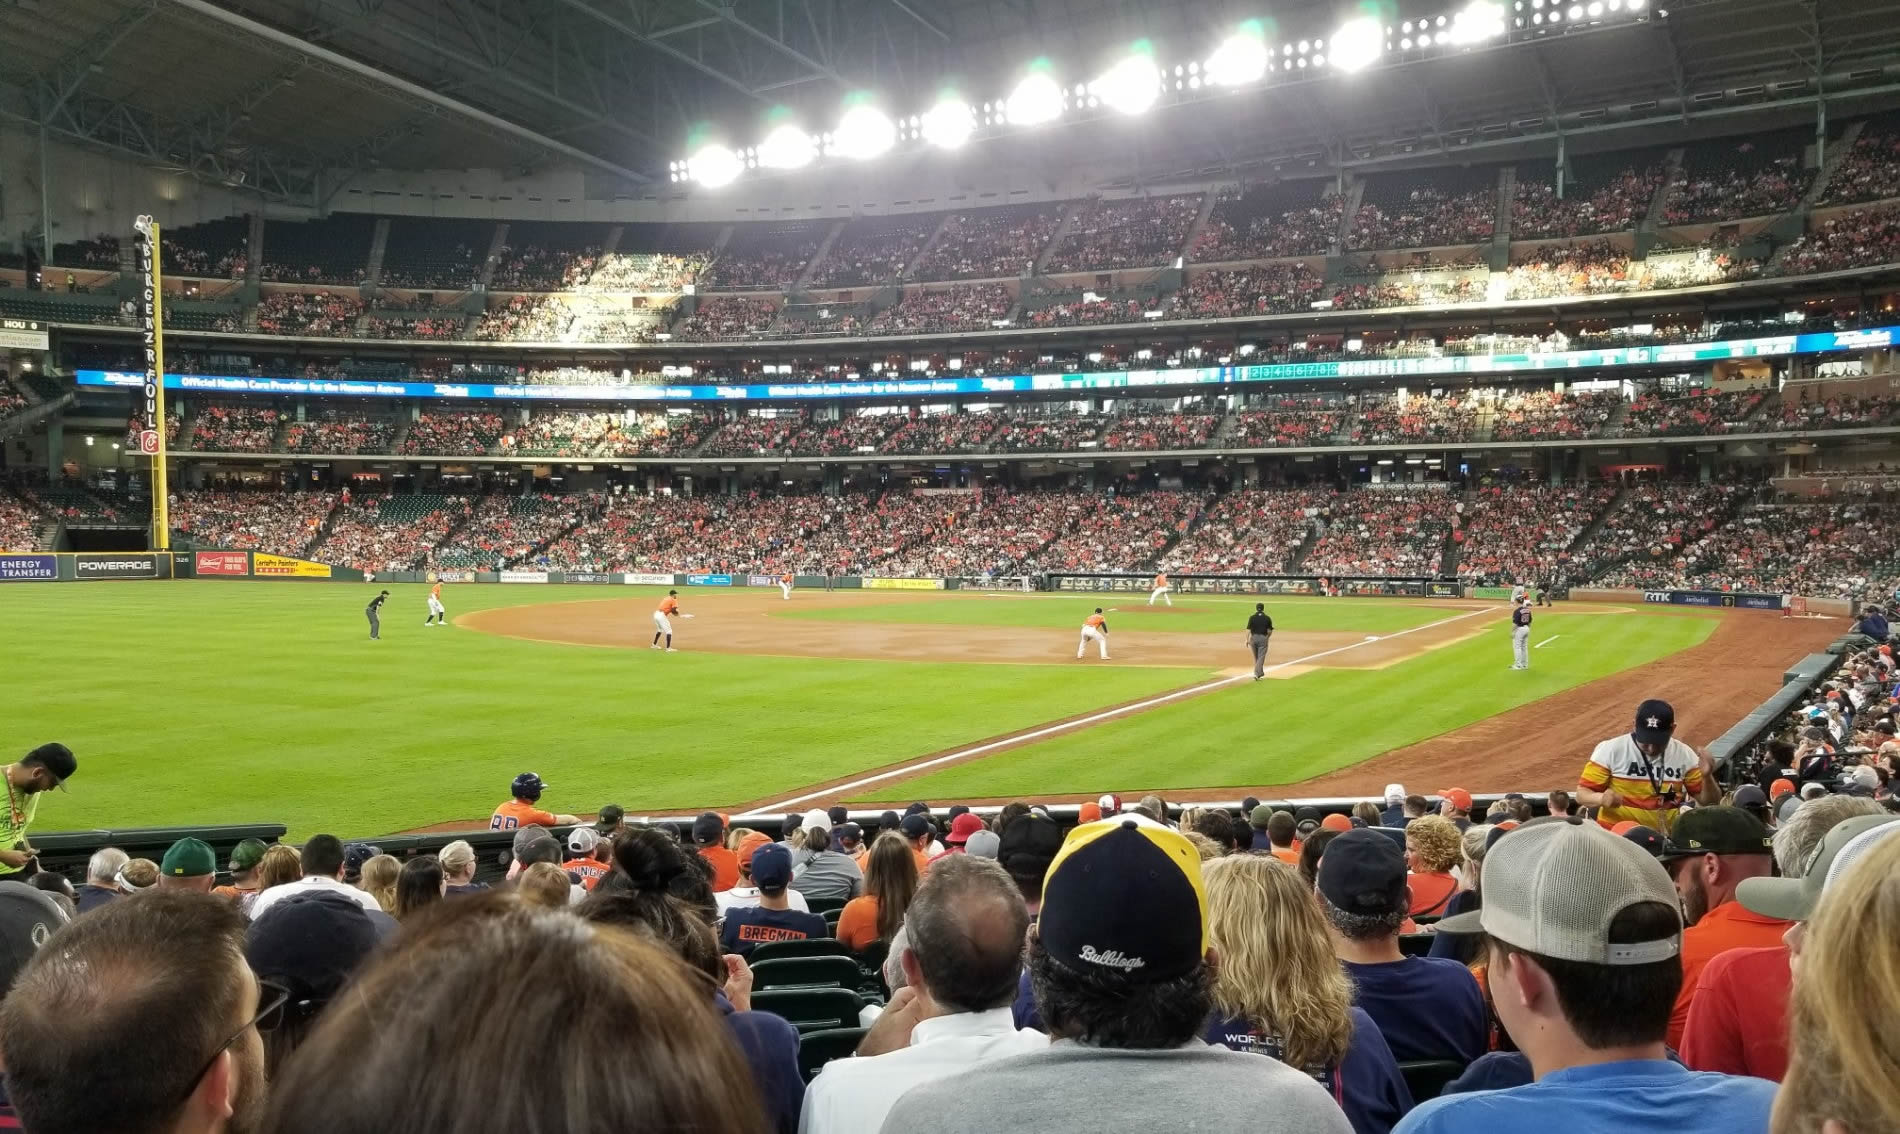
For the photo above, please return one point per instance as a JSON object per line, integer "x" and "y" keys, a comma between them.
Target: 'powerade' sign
{"x": 28, "y": 568}
{"x": 115, "y": 567}
{"x": 1774, "y": 346}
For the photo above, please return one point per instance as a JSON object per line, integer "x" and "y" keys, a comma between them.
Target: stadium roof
{"x": 289, "y": 98}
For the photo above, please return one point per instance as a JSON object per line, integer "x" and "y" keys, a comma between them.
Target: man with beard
{"x": 43, "y": 769}
{"x": 1709, "y": 853}
{"x": 142, "y": 1018}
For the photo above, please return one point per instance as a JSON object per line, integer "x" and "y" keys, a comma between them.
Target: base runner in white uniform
{"x": 1095, "y": 629}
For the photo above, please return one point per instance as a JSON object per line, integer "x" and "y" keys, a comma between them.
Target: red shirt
{"x": 1738, "y": 1021}
{"x": 1727, "y": 926}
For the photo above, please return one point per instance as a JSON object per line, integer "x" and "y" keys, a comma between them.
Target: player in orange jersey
{"x": 785, "y": 586}
{"x": 663, "y": 622}
{"x": 520, "y": 810}
{"x": 1094, "y": 628}
{"x": 436, "y": 612}
{"x": 1162, "y": 590}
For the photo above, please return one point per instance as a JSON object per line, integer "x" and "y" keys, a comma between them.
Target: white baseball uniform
{"x": 1091, "y": 634}
{"x": 661, "y": 623}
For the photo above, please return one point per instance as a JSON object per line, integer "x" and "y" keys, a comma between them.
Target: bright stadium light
{"x": 949, "y": 124}
{"x": 787, "y": 147}
{"x": 714, "y": 166}
{"x": 1476, "y": 22}
{"x": 1036, "y": 100}
{"x": 863, "y": 133}
{"x": 1240, "y": 59}
{"x": 1358, "y": 44}
{"x": 1132, "y": 85}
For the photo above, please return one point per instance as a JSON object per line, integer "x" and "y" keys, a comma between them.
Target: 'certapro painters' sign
{"x": 284, "y": 567}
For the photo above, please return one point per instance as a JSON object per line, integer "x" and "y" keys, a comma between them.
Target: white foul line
{"x": 781, "y": 806}
{"x": 1546, "y": 641}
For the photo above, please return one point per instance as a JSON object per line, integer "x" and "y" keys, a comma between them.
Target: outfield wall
{"x": 1734, "y": 600}
{"x": 1345, "y": 585}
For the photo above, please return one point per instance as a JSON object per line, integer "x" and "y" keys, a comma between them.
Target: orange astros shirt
{"x": 669, "y": 605}
{"x": 784, "y": 578}
{"x": 516, "y": 813}
{"x": 1096, "y": 621}
{"x": 590, "y": 870}
{"x": 435, "y": 592}
{"x": 1161, "y": 580}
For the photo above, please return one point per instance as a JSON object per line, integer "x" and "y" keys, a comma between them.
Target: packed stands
{"x": 525, "y": 319}
{"x": 547, "y": 256}
{"x": 1291, "y": 420}
{"x": 502, "y": 530}
{"x": 1644, "y": 540}
{"x": 874, "y": 249}
{"x": 1250, "y": 531}
{"x": 850, "y": 433}
{"x": 329, "y": 314}
{"x": 990, "y": 243}
{"x": 334, "y": 250}
{"x": 756, "y": 434}
{"x": 339, "y": 430}
{"x": 1267, "y": 221}
{"x": 1384, "y": 531}
{"x": 1829, "y": 550}
{"x": 1523, "y": 533}
{"x": 212, "y": 249}
{"x": 1268, "y": 289}
{"x": 1050, "y": 433}
{"x": 1150, "y": 431}
{"x": 1762, "y": 174}
{"x": 1426, "y": 209}
{"x": 1699, "y": 412}
{"x": 1696, "y": 268}
{"x": 1075, "y": 309}
{"x": 965, "y": 432}
{"x": 432, "y": 252}
{"x": 1129, "y": 233}
{"x": 440, "y": 328}
{"x": 727, "y": 317}
{"x": 1385, "y": 420}
{"x": 989, "y": 533}
{"x": 1119, "y": 532}
{"x": 236, "y": 427}
{"x": 606, "y": 433}
{"x": 1870, "y": 170}
{"x": 755, "y": 532}
{"x": 390, "y": 533}
{"x": 1858, "y": 239}
{"x": 448, "y": 433}
{"x": 765, "y": 257}
{"x": 1545, "y": 415}
{"x": 1800, "y": 411}
{"x": 285, "y": 523}
{"x": 963, "y": 307}
{"x": 19, "y": 524}
{"x": 1550, "y": 271}
{"x": 1605, "y": 193}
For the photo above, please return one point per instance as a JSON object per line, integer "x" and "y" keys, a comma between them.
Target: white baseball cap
{"x": 582, "y": 840}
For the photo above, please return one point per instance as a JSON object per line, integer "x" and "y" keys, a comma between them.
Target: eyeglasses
{"x": 271, "y": 999}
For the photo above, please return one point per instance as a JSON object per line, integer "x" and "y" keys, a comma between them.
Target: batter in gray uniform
{"x": 1521, "y": 634}
{"x": 375, "y": 624}
{"x": 1259, "y": 631}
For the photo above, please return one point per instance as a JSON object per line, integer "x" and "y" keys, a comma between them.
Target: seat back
{"x": 811, "y": 1009}
{"x": 815, "y": 1049}
{"x": 1427, "y": 1077}
{"x": 825, "y": 905}
{"x": 810, "y": 947}
{"x": 806, "y": 972}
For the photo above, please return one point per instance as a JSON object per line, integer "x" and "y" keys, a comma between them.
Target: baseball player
{"x": 1094, "y": 628}
{"x": 1517, "y": 594}
{"x": 1161, "y": 591}
{"x": 663, "y": 624}
{"x": 785, "y": 586}
{"x": 375, "y": 623}
{"x": 436, "y": 611}
{"x": 1521, "y": 634}
{"x": 1259, "y": 633}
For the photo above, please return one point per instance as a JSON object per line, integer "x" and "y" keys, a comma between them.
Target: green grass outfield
{"x": 220, "y": 702}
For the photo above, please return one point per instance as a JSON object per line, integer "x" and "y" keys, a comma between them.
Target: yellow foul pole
{"x": 152, "y": 439}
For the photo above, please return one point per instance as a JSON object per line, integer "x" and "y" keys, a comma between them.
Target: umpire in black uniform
{"x": 375, "y": 624}
{"x": 1259, "y": 631}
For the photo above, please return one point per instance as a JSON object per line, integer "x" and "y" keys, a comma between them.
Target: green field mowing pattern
{"x": 222, "y": 702}
{"x": 1190, "y": 614}
{"x": 1285, "y": 731}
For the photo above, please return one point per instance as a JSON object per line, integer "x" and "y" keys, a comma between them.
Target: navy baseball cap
{"x": 708, "y": 828}
{"x": 918, "y": 808}
{"x": 1649, "y": 838}
{"x": 772, "y": 867}
{"x": 1655, "y": 722}
{"x": 838, "y": 814}
{"x": 1363, "y": 872}
{"x": 528, "y": 786}
{"x": 914, "y": 826}
{"x": 849, "y": 833}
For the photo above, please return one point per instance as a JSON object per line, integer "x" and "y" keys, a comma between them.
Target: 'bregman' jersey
{"x": 1619, "y": 764}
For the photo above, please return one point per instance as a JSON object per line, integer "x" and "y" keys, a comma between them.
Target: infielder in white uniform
{"x": 1162, "y": 591}
{"x": 1521, "y": 635}
{"x": 785, "y": 586}
{"x": 1095, "y": 629}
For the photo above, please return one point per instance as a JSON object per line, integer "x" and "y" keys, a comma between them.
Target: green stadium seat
{"x": 811, "y": 947}
{"x": 811, "y": 1009}
{"x": 815, "y": 1049}
{"x": 836, "y": 971}
{"x": 825, "y": 905}
{"x": 831, "y": 920}
{"x": 1427, "y": 1077}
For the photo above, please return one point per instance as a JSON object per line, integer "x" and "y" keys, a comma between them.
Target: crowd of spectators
{"x": 389, "y": 533}
{"x": 1649, "y": 536}
{"x": 532, "y": 267}
{"x": 1384, "y": 531}
{"x": 1448, "y": 417}
{"x": 1085, "y": 310}
{"x": 1143, "y": 431}
{"x": 326, "y": 313}
{"x": 1119, "y": 532}
{"x": 1550, "y": 271}
{"x": 954, "y": 432}
{"x": 1834, "y": 412}
{"x": 451, "y": 433}
{"x": 755, "y": 532}
{"x": 235, "y": 427}
{"x": 1870, "y": 171}
{"x": 1249, "y": 531}
{"x": 500, "y": 531}
{"x": 19, "y": 524}
{"x": 11, "y": 401}
{"x": 1268, "y": 289}
{"x": 1699, "y": 412}
{"x": 1618, "y": 205}
{"x": 1411, "y": 289}
{"x": 1427, "y": 218}
{"x": 1698, "y": 268}
{"x": 1060, "y": 433}
{"x": 990, "y": 244}
{"x": 873, "y": 257}
{"x": 439, "y": 328}
{"x": 1293, "y": 420}
{"x": 606, "y": 433}
{"x": 773, "y": 265}
{"x": 215, "y": 249}
{"x": 1818, "y": 550}
{"x": 1545, "y": 415}
{"x": 1857, "y": 239}
{"x": 1232, "y": 234}
{"x": 964, "y": 307}
{"x": 662, "y": 272}
{"x": 1511, "y": 534}
{"x": 1735, "y": 186}
{"x": 1131, "y": 233}
{"x": 756, "y": 435}
{"x": 525, "y": 319}
{"x": 991, "y": 532}
{"x": 727, "y": 317}
{"x": 340, "y": 431}
{"x": 283, "y": 523}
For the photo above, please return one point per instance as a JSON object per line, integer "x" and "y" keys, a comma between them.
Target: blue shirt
{"x": 1610, "y": 1098}
{"x": 747, "y": 927}
{"x": 1366, "y": 1082}
{"x": 1427, "y": 1007}
{"x": 770, "y": 1047}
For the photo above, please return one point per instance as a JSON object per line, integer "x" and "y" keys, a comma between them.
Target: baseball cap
{"x": 1247, "y": 805}
{"x": 1554, "y": 888}
{"x": 1813, "y": 790}
{"x": 356, "y": 854}
{"x": 816, "y": 817}
{"x": 1363, "y": 872}
{"x": 1260, "y": 816}
{"x": 1029, "y": 844}
{"x": 1394, "y": 794}
{"x": 918, "y": 808}
{"x": 838, "y": 814}
{"x": 708, "y": 828}
{"x": 1789, "y": 805}
{"x": 1458, "y": 797}
{"x": 1088, "y": 812}
{"x": 749, "y": 846}
{"x": 983, "y": 844}
{"x": 1655, "y": 721}
{"x": 849, "y": 833}
{"x": 188, "y": 858}
{"x": 1335, "y": 821}
{"x": 1780, "y": 788}
{"x": 611, "y": 816}
{"x": 539, "y": 846}
{"x": 957, "y": 809}
{"x": 1649, "y": 838}
{"x": 962, "y": 827}
{"x": 888, "y": 821}
{"x": 1110, "y": 804}
{"x": 1124, "y": 900}
{"x": 55, "y": 758}
{"x": 1718, "y": 830}
{"x": 1794, "y": 899}
{"x": 311, "y": 944}
{"x": 1750, "y": 795}
{"x": 247, "y": 854}
{"x": 914, "y": 826}
{"x": 1625, "y": 827}
{"x": 771, "y": 867}
{"x": 582, "y": 840}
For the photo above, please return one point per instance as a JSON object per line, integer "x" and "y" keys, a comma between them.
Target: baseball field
{"x": 217, "y": 702}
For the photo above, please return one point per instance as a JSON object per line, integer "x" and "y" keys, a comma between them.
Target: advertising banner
{"x": 29, "y": 568}
{"x": 1758, "y": 602}
{"x": 1443, "y": 590}
{"x": 285, "y": 567}
{"x": 871, "y": 584}
{"x": 451, "y": 576}
{"x": 523, "y": 576}
{"x": 649, "y": 579}
{"x": 115, "y": 566}
{"x": 1714, "y": 598}
{"x": 709, "y": 580}
{"x": 761, "y": 580}
{"x": 1502, "y": 593}
{"x": 587, "y": 577}
{"x": 221, "y": 563}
